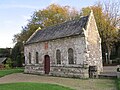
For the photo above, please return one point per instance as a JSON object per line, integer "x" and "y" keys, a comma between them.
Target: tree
{"x": 9, "y": 63}
{"x": 117, "y": 45}
{"x": 17, "y": 55}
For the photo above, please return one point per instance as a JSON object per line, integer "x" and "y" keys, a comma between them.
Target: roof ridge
{"x": 65, "y": 22}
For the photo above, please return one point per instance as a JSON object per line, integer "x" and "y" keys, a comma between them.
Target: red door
{"x": 47, "y": 64}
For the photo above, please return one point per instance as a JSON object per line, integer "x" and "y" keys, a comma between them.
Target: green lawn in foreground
{"x": 118, "y": 84}
{"x": 10, "y": 71}
{"x": 32, "y": 86}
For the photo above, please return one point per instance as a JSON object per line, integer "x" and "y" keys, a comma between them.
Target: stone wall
{"x": 34, "y": 69}
{"x": 93, "y": 42}
{"x": 74, "y": 71}
{"x": 77, "y": 43}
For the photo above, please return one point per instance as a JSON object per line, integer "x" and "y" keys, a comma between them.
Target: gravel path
{"x": 78, "y": 84}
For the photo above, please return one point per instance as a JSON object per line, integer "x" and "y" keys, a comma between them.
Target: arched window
{"x": 58, "y": 56}
{"x": 37, "y": 60}
{"x": 29, "y": 58}
{"x": 70, "y": 56}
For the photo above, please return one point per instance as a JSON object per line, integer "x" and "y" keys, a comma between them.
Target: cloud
{"x": 7, "y": 6}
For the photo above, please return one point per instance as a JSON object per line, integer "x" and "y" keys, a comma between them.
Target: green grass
{"x": 32, "y": 86}
{"x": 10, "y": 71}
{"x": 117, "y": 81}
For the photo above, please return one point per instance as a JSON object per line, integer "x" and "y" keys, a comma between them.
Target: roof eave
{"x": 82, "y": 35}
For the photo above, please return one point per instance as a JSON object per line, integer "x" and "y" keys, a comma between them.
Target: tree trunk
{"x": 109, "y": 52}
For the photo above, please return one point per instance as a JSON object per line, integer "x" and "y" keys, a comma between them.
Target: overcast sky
{"x": 15, "y": 13}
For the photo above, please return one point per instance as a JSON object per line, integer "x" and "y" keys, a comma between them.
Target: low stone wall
{"x": 34, "y": 69}
{"x": 62, "y": 71}
{"x": 69, "y": 71}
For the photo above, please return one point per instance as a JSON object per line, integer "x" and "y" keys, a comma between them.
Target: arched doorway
{"x": 46, "y": 64}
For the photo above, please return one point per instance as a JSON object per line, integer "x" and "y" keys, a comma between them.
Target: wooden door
{"x": 47, "y": 64}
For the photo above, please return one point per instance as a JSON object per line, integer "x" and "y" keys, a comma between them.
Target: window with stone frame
{"x": 29, "y": 58}
{"x": 70, "y": 56}
{"x": 37, "y": 59}
{"x": 58, "y": 56}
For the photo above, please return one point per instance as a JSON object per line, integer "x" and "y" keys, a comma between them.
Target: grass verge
{"x": 32, "y": 86}
{"x": 10, "y": 71}
{"x": 117, "y": 82}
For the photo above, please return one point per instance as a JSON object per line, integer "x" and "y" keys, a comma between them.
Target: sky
{"x": 15, "y": 13}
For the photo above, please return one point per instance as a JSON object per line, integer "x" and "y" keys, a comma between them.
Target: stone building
{"x": 67, "y": 49}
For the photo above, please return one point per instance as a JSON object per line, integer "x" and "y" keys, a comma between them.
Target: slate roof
{"x": 69, "y": 28}
{"x": 2, "y": 60}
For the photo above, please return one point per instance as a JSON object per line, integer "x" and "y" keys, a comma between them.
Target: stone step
{"x": 108, "y": 75}
{"x": 110, "y": 69}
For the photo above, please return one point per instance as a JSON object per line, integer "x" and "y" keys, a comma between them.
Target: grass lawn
{"x": 32, "y": 86}
{"x": 118, "y": 84}
{"x": 10, "y": 71}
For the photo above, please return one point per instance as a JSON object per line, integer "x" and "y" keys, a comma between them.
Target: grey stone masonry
{"x": 93, "y": 44}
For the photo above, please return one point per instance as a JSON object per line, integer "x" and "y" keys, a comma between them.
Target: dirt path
{"x": 78, "y": 84}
